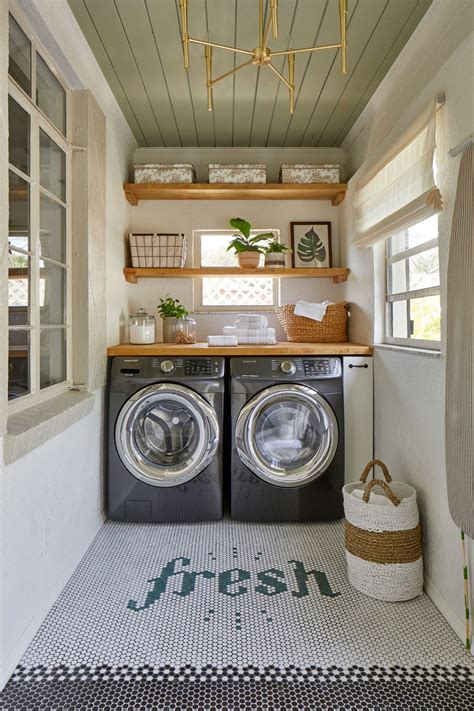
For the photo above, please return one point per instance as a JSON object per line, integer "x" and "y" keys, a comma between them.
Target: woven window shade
{"x": 399, "y": 190}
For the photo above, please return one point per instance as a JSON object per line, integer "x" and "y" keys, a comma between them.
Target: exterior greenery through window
{"x": 38, "y": 244}
{"x": 230, "y": 293}
{"x": 413, "y": 313}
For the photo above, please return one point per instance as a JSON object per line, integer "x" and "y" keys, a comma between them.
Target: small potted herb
{"x": 170, "y": 309}
{"x": 275, "y": 254}
{"x": 248, "y": 249}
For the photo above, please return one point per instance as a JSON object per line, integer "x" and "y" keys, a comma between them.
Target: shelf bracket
{"x": 131, "y": 197}
{"x": 338, "y": 198}
{"x": 130, "y": 275}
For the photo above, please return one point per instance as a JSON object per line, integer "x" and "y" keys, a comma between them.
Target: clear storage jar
{"x": 186, "y": 330}
{"x": 141, "y": 327}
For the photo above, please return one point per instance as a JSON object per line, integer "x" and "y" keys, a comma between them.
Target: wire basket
{"x": 158, "y": 250}
{"x": 299, "y": 329}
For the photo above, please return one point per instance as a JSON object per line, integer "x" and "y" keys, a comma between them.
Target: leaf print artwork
{"x": 311, "y": 247}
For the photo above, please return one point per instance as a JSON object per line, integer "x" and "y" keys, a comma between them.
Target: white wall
{"x": 184, "y": 216}
{"x": 52, "y": 502}
{"x": 409, "y": 388}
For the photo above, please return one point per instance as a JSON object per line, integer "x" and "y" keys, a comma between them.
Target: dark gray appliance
{"x": 165, "y": 421}
{"x": 287, "y": 461}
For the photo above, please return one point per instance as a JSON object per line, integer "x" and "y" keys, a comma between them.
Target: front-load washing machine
{"x": 287, "y": 439}
{"x": 165, "y": 420}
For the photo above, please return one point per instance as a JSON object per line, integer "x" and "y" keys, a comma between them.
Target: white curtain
{"x": 399, "y": 190}
{"x": 460, "y": 352}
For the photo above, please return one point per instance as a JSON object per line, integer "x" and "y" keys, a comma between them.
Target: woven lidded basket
{"x": 332, "y": 329}
{"x": 383, "y": 542}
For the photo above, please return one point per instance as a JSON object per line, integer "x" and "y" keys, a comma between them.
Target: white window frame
{"x": 197, "y": 281}
{"x": 407, "y": 295}
{"x": 39, "y": 120}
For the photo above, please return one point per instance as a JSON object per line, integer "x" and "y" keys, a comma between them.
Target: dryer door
{"x": 287, "y": 435}
{"x": 166, "y": 434}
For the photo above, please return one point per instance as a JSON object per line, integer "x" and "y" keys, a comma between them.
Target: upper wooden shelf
{"x": 335, "y": 192}
{"x": 337, "y": 274}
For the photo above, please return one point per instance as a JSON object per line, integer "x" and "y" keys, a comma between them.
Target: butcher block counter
{"x": 282, "y": 348}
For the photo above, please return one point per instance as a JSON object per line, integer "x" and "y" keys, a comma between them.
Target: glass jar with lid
{"x": 186, "y": 330}
{"x": 141, "y": 327}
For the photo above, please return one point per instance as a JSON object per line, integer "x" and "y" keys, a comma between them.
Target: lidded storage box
{"x": 239, "y": 173}
{"x": 165, "y": 173}
{"x": 302, "y": 173}
{"x": 158, "y": 250}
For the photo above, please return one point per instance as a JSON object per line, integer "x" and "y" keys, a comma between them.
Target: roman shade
{"x": 399, "y": 190}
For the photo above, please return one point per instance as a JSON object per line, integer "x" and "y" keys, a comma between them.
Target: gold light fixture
{"x": 262, "y": 54}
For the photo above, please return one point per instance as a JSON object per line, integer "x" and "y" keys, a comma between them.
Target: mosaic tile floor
{"x": 234, "y": 615}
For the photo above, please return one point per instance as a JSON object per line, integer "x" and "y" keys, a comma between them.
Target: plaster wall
{"x": 409, "y": 386}
{"x": 188, "y": 215}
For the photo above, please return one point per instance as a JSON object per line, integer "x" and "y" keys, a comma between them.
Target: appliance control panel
{"x": 322, "y": 367}
{"x": 286, "y": 368}
{"x": 150, "y": 368}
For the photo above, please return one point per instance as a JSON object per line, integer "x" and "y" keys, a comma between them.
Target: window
{"x": 413, "y": 313}
{"x": 228, "y": 293}
{"x": 38, "y": 234}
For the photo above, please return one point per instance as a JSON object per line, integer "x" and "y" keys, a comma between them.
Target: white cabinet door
{"x": 358, "y": 414}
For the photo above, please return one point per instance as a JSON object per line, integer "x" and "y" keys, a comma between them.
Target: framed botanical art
{"x": 311, "y": 244}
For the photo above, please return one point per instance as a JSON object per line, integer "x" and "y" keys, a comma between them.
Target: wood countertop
{"x": 202, "y": 349}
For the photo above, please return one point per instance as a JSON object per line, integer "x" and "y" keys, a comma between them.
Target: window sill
{"x": 32, "y": 427}
{"x": 406, "y": 349}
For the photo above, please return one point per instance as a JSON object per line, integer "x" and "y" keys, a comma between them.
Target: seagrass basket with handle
{"x": 383, "y": 540}
{"x": 299, "y": 329}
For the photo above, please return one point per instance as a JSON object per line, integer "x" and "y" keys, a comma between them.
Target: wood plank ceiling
{"x": 138, "y": 46}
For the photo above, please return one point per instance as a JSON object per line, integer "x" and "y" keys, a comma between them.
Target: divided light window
{"x": 38, "y": 233}
{"x": 413, "y": 312}
{"x": 230, "y": 293}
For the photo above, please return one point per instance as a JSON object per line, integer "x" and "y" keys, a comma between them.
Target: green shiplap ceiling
{"x": 138, "y": 46}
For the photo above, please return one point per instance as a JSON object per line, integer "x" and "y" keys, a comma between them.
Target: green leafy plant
{"x": 245, "y": 243}
{"x": 311, "y": 247}
{"x": 171, "y": 308}
{"x": 276, "y": 247}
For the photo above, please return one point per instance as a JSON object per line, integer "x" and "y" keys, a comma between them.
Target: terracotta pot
{"x": 275, "y": 259}
{"x": 248, "y": 260}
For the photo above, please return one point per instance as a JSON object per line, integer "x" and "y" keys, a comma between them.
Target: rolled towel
{"x": 311, "y": 310}
{"x": 248, "y": 332}
{"x": 251, "y": 321}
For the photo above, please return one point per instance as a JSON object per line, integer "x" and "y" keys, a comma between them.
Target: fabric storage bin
{"x": 158, "y": 250}
{"x": 299, "y": 329}
{"x": 301, "y": 173}
{"x": 383, "y": 540}
{"x": 165, "y": 173}
{"x": 241, "y": 173}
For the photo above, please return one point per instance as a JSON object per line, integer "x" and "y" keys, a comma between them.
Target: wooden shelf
{"x": 202, "y": 349}
{"x": 337, "y": 274}
{"x": 335, "y": 192}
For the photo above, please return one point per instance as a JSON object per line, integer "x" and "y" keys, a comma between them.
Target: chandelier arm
{"x": 306, "y": 49}
{"x": 231, "y": 71}
{"x": 220, "y": 46}
{"x": 343, "y": 30}
{"x": 282, "y": 78}
{"x": 291, "y": 77}
{"x": 267, "y": 32}
{"x": 210, "y": 98}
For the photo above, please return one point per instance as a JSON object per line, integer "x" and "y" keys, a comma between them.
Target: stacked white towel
{"x": 312, "y": 310}
{"x": 251, "y": 328}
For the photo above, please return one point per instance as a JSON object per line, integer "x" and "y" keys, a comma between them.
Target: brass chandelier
{"x": 262, "y": 54}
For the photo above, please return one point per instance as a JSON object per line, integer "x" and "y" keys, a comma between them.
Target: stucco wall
{"x": 409, "y": 388}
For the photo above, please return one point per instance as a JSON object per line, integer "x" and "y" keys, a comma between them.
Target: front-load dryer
{"x": 287, "y": 439}
{"x": 165, "y": 419}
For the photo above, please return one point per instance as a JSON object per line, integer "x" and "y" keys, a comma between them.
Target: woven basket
{"x": 332, "y": 329}
{"x": 383, "y": 543}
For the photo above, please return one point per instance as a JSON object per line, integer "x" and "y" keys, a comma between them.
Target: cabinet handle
{"x": 351, "y": 365}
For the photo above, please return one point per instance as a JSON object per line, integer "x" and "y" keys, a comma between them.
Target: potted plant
{"x": 170, "y": 309}
{"x": 275, "y": 254}
{"x": 248, "y": 249}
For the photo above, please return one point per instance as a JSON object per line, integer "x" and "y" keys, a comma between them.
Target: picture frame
{"x": 311, "y": 245}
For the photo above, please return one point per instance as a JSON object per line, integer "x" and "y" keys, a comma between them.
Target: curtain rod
{"x": 469, "y": 141}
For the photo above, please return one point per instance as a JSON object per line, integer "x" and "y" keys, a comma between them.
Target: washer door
{"x": 287, "y": 435}
{"x": 166, "y": 434}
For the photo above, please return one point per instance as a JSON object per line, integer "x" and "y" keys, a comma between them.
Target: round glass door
{"x": 287, "y": 435}
{"x": 166, "y": 434}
